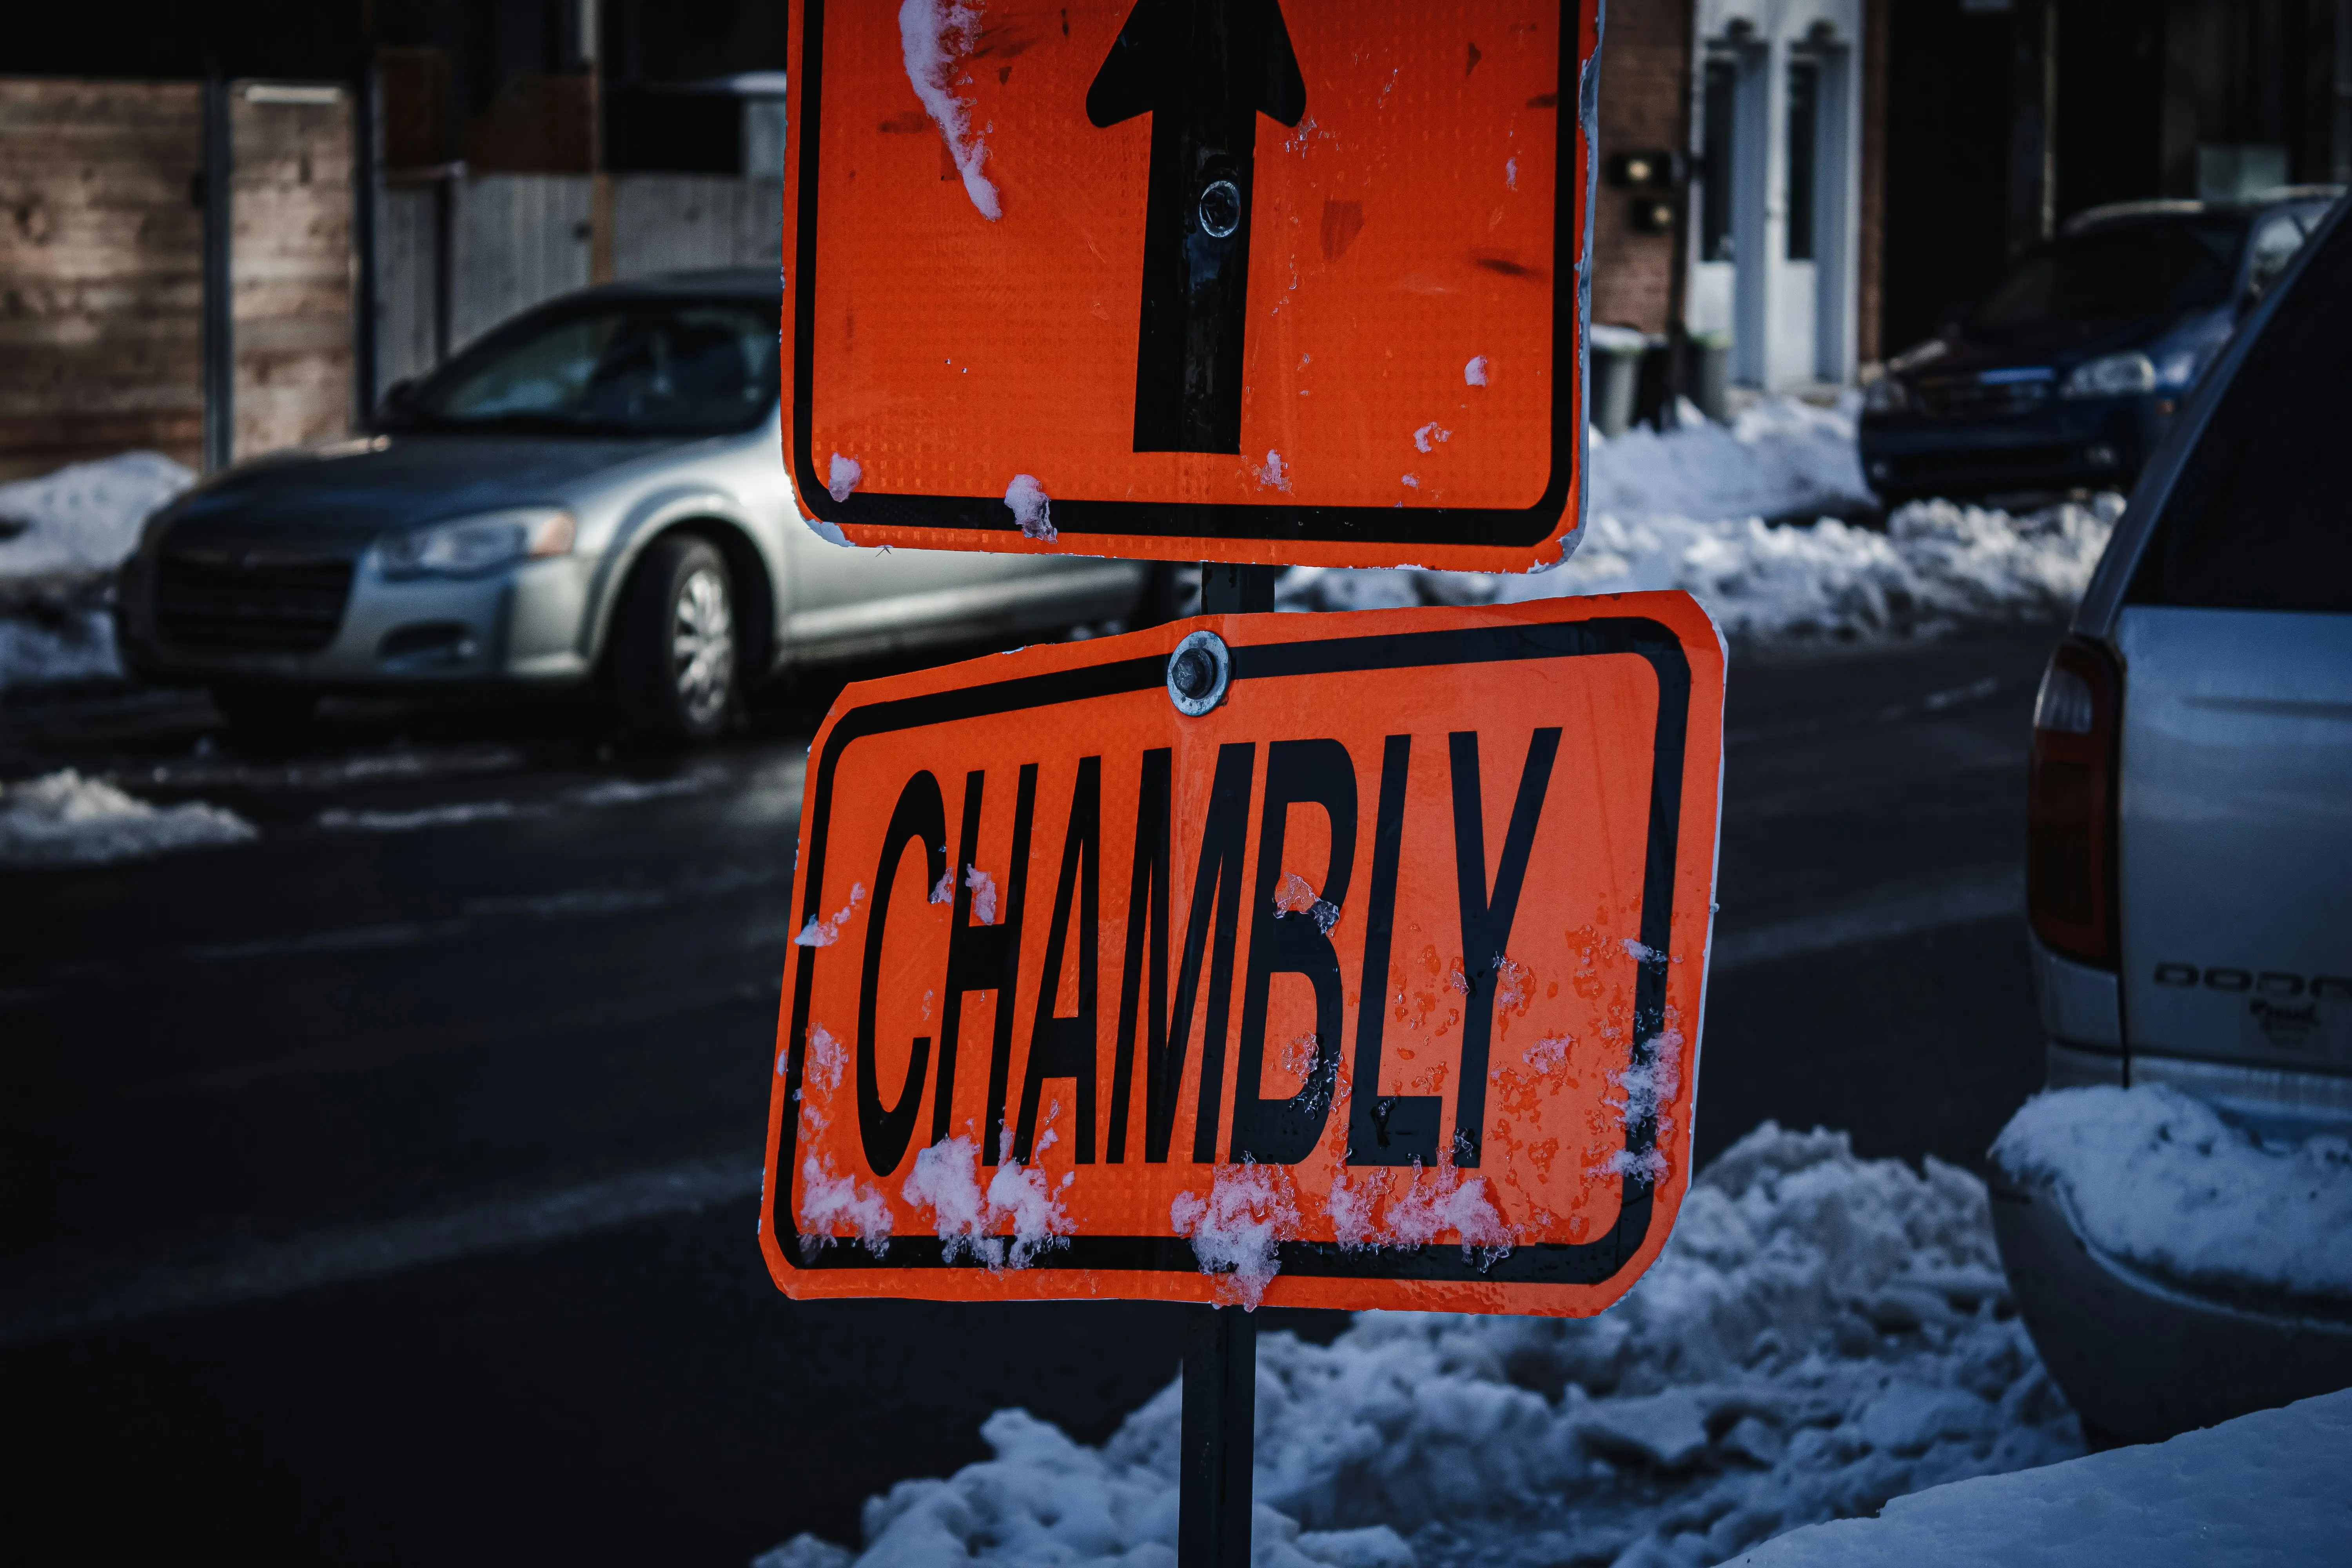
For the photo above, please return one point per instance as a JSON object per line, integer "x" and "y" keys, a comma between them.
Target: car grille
{"x": 250, "y": 601}
{"x": 1966, "y": 397}
{"x": 1975, "y": 470}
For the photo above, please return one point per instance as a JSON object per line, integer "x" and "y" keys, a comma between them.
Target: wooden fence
{"x": 509, "y": 241}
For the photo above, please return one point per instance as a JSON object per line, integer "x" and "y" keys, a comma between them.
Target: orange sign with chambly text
{"x": 1285, "y": 281}
{"x": 1331, "y": 960}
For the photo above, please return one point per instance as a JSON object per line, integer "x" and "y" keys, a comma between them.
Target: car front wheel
{"x": 674, "y": 646}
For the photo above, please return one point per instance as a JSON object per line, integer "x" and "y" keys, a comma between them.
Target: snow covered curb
{"x": 65, "y": 819}
{"x": 2270, "y": 1487}
{"x": 1779, "y": 458}
{"x": 62, "y": 534}
{"x": 1939, "y": 565}
{"x": 85, "y": 518}
{"x": 2155, "y": 1176}
{"x": 1708, "y": 508}
{"x": 1822, "y": 1333}
{"x": 57, "y": 640}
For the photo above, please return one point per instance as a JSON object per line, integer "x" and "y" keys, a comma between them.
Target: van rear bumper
{"x": 2140, "y": 1358}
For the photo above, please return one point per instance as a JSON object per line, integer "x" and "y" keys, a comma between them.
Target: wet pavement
{"x": 383, "y": 1189}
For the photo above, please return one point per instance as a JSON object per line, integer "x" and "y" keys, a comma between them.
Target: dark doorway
{"x": 1947, "y": 112}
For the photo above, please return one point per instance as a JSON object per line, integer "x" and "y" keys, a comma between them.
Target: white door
{"x": 1793, "y": 327}
{"x": 1710, "y": 308}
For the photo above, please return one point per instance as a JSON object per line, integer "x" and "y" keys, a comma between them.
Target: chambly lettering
{"x": 985, "y": 959}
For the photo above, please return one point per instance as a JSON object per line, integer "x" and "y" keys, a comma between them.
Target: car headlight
{"x": 2111, "y": 375}
{"x": 473, "y": 545}
{"x": 2180, "y": 369}
{"x": 1887, "y": 394}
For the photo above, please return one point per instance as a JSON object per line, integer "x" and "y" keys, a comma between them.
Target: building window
{"x": 1804, "y": 154}
{"x": 1715, "y": 195}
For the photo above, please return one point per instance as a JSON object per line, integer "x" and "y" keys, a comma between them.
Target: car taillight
{"x": 2070, "y": 814}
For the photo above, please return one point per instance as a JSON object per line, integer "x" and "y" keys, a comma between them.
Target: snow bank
{"x": 63, "y": 530}
{"x": 2268, "y": 1487}
{"x": 1688, "y": 508}
{"x": 1822, "y": 1333}
{"x": 1937, "y": 565}
{"x": 1781, "y": 457}
{"x": 2155, "y": 1176}
{"x": 84, "y": 518}
{"x": 63, "y": 818}
{"x": 74, "y": 642}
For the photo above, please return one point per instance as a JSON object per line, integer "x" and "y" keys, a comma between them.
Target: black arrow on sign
{"x": 1204, "y": 70}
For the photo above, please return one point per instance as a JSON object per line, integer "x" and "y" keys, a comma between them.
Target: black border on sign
{"x": 1540, "y": 1263}
{"x": 1432, "y": 527}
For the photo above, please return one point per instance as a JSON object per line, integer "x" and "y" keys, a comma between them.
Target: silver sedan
{"x": 591, "y": 493}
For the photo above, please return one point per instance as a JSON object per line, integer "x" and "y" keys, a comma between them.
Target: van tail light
{"x": 2070, "y": 813}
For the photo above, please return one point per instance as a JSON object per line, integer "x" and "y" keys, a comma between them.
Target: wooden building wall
{"x": 291, "y": 266}
{"x": 677, "y": 223}
{"x": 102, "y": 262}
{"x": 101, "y": 270}
{"x": 101, "y": 274}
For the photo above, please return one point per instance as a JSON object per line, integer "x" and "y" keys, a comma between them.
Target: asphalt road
{"x": 383, "y": 1190}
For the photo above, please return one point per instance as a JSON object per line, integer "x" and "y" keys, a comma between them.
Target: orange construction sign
{"x": 1331, "y": 960}
{"x": 1292, "y": 281}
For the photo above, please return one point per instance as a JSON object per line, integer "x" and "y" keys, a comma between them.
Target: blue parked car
{"x": 2066, "y": 375}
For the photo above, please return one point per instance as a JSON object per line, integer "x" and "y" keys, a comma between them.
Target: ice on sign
{"x": 1375, "y": 983}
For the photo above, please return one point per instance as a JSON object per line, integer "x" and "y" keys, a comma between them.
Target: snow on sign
{"x": 1335, "y": 961}
{"x": 1241, "y": 280}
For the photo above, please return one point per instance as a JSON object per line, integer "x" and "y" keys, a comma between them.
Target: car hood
{"x": 355, "y": 491}
{"x": 2061, "y": 346}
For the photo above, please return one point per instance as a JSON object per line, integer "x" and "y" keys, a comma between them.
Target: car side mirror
{"x": 399, "y": 399}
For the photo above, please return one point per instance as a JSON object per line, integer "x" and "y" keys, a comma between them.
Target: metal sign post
{"x": 1213, "y": 1503}
{"x": 1229, "y": 590}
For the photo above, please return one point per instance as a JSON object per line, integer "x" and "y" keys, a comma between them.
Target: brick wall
{"x": 1870, "y": 303}
{"x": 1645, "y": 104}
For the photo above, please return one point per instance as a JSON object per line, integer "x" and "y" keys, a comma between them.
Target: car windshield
{"x": 649, "y": 367}
{"x": 2118, "y": 274}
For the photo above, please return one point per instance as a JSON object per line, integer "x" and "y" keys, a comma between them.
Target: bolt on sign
{"x": 1235, "y": 280}
{"x": 1332, "y": 961}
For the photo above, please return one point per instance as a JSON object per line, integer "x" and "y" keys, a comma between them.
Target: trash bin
{"x": 1616, "y": 377}
{"x": 1708, "y": 374}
